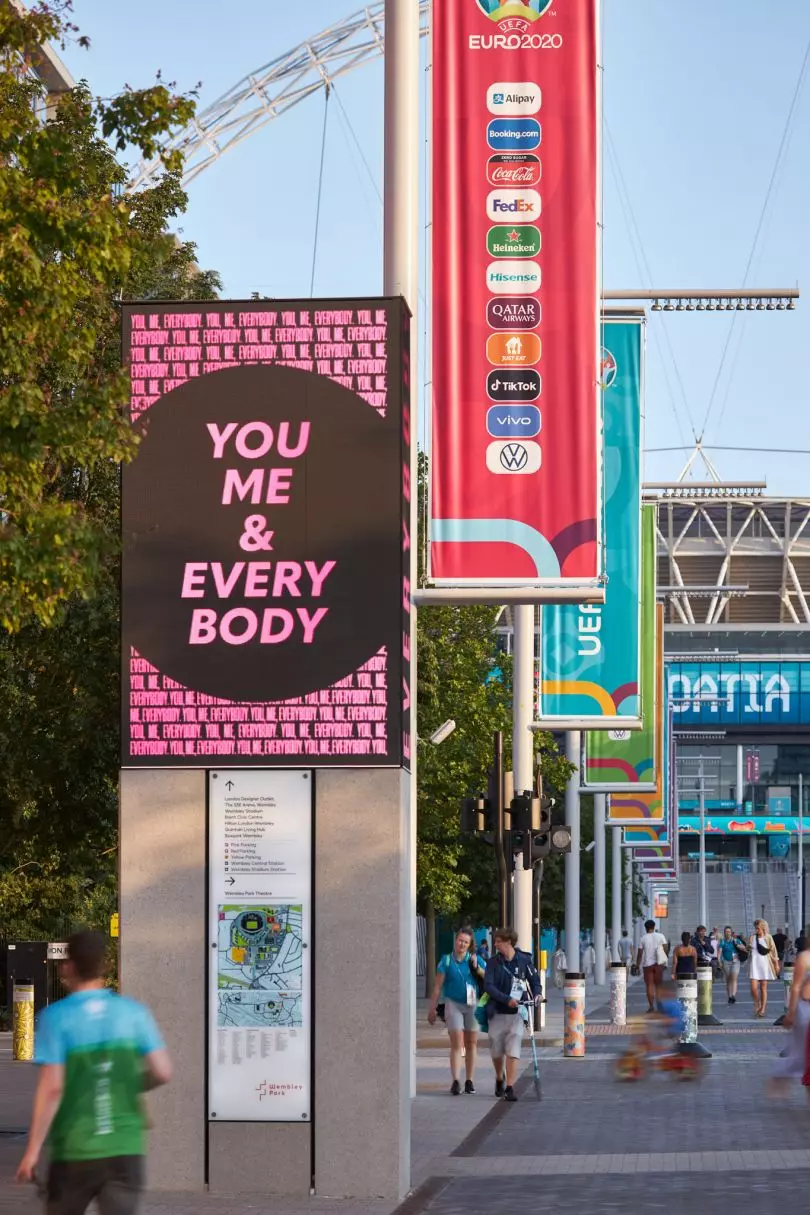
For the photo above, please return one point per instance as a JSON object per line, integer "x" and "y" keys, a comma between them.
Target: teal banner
{"x": 591, "y": 655}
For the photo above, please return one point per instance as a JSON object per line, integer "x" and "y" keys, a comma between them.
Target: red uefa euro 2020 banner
{"x": 515, "y": 452}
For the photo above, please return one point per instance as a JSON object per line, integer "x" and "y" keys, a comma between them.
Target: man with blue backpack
{"x": 510, "y": 980}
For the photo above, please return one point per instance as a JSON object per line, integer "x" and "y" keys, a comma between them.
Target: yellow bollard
{"x": 22, "y": 1037}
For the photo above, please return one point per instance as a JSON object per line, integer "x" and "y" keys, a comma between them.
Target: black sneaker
{"x": 469, "y": 1087}
{"x": 509, "y": 1095}
{"x": 499, "y": 1088}
{"x": 455, "y": 1089}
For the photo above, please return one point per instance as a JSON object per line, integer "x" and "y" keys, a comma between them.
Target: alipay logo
{"x": 520, "y": 423}
{"x": 514, "y": 99}
{"x": 514, "y": 134}
{"x": 514, "y": 458}
{"x": 513, "y": 278}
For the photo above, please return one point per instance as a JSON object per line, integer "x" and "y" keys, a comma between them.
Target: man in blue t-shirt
{"x": 97, "y": 1052}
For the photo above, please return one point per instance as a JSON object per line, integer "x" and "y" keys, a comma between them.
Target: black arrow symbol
{"x": 231, "y": 881}
{"x": 228, "y": 784}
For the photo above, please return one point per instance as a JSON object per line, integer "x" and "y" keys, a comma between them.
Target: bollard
{"x": 574, "y": 1000}
{"x": 540, "y": 1011}
{"x": 705, "y": 990}
{"x": 687, "y": 991}
{"x": 617, "y": 977}
{"x": 22, "y": 1036}
{"x": 787, "y": 979}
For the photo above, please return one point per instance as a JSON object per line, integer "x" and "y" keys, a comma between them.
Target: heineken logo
{"x": 518, "y": 240}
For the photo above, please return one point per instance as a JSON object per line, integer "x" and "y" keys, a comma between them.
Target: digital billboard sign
{"x": 266, "y": 546}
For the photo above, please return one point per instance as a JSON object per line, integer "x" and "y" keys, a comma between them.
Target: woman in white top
{"x": 764, "y": 965}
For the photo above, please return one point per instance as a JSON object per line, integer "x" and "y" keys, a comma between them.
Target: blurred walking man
{"x": 97, "y": 1052}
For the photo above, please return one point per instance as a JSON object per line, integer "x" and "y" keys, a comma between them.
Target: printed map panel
{"x": 259, "y": 962}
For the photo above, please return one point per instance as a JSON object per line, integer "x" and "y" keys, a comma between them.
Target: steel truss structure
{"x": 735, "y": 559}
{"x": 274, "y": 89}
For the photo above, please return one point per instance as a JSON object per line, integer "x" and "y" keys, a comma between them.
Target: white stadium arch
{"x": 271, "y": 90}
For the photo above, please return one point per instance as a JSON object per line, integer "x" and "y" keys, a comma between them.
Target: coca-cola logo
{"x": 514, "y": 169}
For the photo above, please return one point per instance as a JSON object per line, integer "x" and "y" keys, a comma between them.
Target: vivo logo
{"x": 514, "y": 423}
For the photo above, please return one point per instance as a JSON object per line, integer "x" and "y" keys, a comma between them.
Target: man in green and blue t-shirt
{"x": 97, "y": 1052}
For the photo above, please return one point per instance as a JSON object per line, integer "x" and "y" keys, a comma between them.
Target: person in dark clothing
{"x": 510, "y": 980}
{"x": 780, "y": 940}
{"x": 684, "y": 959}
{"x": 705, "y": 950}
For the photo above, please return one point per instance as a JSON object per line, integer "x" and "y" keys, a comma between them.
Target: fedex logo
{"x": 505, "y": 204}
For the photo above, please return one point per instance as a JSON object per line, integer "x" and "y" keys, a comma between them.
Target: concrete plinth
{"x": 358, "y": 1143}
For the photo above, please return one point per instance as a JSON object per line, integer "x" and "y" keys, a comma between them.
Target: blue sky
{"x": 697, "y": 94}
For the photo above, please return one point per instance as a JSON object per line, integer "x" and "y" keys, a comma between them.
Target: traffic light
{"x": 476, "y": 815}
{"x": 550, "y": 840}
{"x": 525, "y": 811}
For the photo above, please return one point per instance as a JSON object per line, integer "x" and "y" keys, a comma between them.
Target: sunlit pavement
{"x": 591, "y": 1145}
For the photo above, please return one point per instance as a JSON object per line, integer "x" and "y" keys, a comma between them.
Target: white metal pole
{"x": 703, "y": 912}
{"x": 572, "y": 754}
{"x": 628, "y": 892}
{"x": 801, "y": 854}
{"x": 401, "y": 277}
{"x": 599, "y": 894}
{"x": 616, "y": 893}
{"x": 523, "y": 677}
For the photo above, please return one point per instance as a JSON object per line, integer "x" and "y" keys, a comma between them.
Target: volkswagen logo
{"x": 514, "y": 457}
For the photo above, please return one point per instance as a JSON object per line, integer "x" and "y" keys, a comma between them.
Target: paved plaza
{"x": 591, "y": 1145}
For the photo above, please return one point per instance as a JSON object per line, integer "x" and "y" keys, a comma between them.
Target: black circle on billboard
{"x": 344, "y": 507}
{"x": 510, "y": 384}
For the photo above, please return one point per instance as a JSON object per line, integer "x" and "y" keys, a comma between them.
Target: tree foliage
{"x": 70, "y": 243}
{"x": 71, "y": 248}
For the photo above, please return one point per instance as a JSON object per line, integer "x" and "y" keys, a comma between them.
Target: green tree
{"x": 59, "y": 649}
{"x": 69, "y": 240}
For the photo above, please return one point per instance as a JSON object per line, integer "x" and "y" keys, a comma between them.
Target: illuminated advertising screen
{"x": 266, "y": 546}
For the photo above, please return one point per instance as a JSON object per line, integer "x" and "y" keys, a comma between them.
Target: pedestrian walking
{"x": 651, "y": 959}
{"x": 588, "y": 961}
{"x": 764, "y": 965}
{"x": 796, "y": 1062}
{"x": 97, "y": 1053}
{"x": 702, "y": 944}
{"x": 559, "y": 965}
{"x": 732, "y": 952}
{"x": 459, "y": 977}
{"x": 483, "y": 951}
{"x": 625, "y": 949}
{"x": 780, "y": 940}
{"x": 510, "y": 980}
{"x": 684, "y": 959}
{"x": 714, "y": 942}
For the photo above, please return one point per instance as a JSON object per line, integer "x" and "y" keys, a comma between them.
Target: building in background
{"x": 49, "y": 69}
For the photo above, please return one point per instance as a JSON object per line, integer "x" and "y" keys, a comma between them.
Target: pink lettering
{"x": 319, "y": 576}
{"x": 226, "y": 631}
{"x": 311, "y": 623}
{"x": 220, "y": 437}
{"x": 193, "y": 577}
{"x": 286, "y": 621}
{"x": 256, "y": 580}
{"x": 203, "y": 627}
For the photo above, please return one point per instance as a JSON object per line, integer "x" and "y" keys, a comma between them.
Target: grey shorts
{"x": 460, "y": 1016}
{"x": 505, "y": 1035}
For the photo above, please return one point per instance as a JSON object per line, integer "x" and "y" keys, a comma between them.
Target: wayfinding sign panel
{"x": 259, "y": 947}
